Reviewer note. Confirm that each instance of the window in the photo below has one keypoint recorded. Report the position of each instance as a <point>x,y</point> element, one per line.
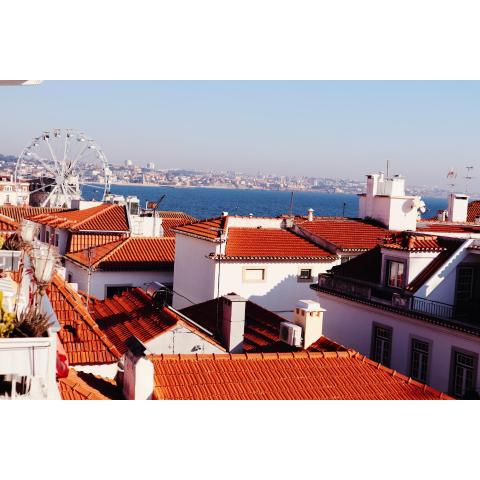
<point>70,278</point>
<point>395,274</point>
<point>305,274</point>
<point>382,344</point>
<point>254,274</point>
<point>419,360</point>
<point>47,236</point>
<point>111,290</point>
<point>464,284</point>
<point>464,373</point>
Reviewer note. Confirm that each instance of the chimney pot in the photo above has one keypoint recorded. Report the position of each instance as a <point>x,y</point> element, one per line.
<point>309,315</point>
<point>233,322</point>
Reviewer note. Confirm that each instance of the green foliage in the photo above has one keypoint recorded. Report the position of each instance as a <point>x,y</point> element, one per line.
<point>7,320</point>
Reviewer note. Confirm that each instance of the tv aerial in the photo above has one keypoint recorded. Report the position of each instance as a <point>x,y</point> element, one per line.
<point>451,176</point>
<point>468,178</point>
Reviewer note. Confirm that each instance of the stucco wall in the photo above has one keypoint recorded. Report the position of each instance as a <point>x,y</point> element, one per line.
<point>181,340</point>
<point>99,280</point>
<point>280,290</point>
<point>194,274</point>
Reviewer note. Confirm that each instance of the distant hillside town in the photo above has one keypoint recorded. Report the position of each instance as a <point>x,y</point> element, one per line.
<point>131,173</point>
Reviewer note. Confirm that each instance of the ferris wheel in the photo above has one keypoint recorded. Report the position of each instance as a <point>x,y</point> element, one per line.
<point>57,164</point>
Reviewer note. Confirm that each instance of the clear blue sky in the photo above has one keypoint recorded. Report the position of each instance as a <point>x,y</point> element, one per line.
<point>336,129</point>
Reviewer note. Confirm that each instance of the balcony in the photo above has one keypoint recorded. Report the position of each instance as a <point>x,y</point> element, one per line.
<point>386,296</point>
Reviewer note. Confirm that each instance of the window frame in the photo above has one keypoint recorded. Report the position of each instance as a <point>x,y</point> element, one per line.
<point>388,263</point>
<point>429,343</point>
<point>304,279</point>
<point>461,351</point>
<point>376,325</point>
<point>246,280</point>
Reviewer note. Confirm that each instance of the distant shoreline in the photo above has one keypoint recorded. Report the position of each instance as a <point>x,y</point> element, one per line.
<point>126,184</point>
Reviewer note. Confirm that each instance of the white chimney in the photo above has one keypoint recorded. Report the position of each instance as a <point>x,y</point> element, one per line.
<point>224,214</point>
<point>309,315</point>
<point>233,322</point>
<point>138,379</point>
<point>310,214</point>
<point>457,207</point>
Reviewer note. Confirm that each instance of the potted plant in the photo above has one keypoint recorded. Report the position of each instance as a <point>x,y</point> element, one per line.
<point>28,333</point>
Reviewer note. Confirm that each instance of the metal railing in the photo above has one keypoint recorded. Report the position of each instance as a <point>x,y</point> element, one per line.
<point>432,308</point>
<point>386,296</point>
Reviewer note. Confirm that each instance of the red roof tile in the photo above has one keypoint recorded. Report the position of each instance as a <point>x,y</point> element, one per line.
<point>132,253</point>
<point>447,227</point>
<point>133,314</point>
<point>209,229</point>
<point>81,337</point>
<point>284,376</point>
<point>473,210</point>
<point>18,213</point>
<point>262,327</point>
<point>348,234</point>
<point>271,243</point>
<point>81,241</point>
<point>106,217</point>
<point>415,243</point>
<point>7,224</point>
<point>86,386</point>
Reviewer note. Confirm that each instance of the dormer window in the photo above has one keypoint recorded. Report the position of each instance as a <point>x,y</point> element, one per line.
<point>395,274</point>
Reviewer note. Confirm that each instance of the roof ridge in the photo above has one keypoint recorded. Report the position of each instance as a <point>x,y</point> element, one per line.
<point>121,243</point>
<point>98,212</point>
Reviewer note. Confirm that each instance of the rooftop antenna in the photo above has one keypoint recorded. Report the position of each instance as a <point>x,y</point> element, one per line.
<point>291,204</point>
<point>451,175</point>
<point>468,178</point>
<point>388,164</point>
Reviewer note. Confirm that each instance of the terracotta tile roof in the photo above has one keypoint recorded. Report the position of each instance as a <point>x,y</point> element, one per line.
<point>415,243</point>
<point>7,224</point>
<point>18,213</point>
<point>473,210</point>
<point>169,223</point>
<point>271,243</point>
<point>448,227</point>
<point>262,327</point>
<point>81,337</point>
<point>347,234</point>
<point>132,253</point>
<point>204,228</point>
<point>86,386</point>
<point>81,241</point>
<point>283,376</point>
<point>106,217</point>
<point>133,314</point>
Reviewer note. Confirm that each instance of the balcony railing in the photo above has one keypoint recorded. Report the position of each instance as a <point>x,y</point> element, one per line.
<point>386,296</point>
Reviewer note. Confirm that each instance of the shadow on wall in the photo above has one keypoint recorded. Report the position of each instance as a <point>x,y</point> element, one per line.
<point>283,297</point>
